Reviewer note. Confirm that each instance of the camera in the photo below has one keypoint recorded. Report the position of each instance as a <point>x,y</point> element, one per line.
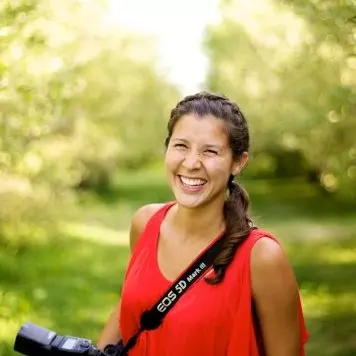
<point>34,340</point>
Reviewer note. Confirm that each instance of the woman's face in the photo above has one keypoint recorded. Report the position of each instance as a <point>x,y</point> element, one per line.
<point>199,160</point>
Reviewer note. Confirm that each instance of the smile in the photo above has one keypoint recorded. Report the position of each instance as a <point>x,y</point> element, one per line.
<point>191,182</point>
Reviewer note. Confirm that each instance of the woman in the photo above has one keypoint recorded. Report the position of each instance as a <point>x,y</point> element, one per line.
<point>248,304</point>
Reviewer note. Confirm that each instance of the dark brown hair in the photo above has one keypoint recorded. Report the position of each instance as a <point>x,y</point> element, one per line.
<point>237,220</point>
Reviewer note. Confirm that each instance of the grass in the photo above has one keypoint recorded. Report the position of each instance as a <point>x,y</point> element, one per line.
<point>71,283</point>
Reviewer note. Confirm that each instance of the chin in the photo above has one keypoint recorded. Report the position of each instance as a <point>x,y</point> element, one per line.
<point>189,202</point>
<point>188,205</point>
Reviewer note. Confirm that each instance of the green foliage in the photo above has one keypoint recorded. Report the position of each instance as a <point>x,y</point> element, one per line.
<point>78,102</point>
<point>291,67</point>
<point>70,285</point>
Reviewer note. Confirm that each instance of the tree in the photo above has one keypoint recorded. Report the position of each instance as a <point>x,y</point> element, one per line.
<point>291,67</point>
<point>79,100</point>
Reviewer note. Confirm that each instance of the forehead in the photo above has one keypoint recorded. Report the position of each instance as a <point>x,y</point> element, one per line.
<point>207,129</point>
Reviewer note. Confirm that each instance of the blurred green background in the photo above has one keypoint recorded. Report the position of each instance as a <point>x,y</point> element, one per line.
<point>83,111</point>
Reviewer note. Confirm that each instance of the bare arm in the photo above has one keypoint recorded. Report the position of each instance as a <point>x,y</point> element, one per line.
<point>111,332</point>
<point>275,292</point>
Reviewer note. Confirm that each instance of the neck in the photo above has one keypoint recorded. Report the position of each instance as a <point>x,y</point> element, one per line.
<point>200,223</point>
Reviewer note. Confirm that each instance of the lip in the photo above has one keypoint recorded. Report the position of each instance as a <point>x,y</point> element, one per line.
<point>190,189</point>
<point>181,175</point>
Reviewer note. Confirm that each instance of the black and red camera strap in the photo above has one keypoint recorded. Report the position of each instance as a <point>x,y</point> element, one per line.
<point>152,318</point>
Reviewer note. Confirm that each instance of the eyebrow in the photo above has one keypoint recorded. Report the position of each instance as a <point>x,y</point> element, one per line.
<point>213,146</point>
<point>205,146</point>
<point>179,139</point>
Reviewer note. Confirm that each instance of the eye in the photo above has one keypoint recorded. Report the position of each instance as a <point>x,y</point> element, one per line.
<point>180,145</point>
<point>211,152</point>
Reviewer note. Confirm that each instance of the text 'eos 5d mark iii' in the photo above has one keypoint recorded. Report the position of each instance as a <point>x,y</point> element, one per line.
<point>33,340</point>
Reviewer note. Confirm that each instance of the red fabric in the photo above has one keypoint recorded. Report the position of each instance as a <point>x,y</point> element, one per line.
<point>208,320</point>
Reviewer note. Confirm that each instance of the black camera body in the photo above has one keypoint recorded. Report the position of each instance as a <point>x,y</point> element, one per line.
<point>33,340</point>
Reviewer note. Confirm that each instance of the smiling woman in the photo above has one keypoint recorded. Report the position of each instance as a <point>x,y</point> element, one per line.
<point>199,161</point>
<point>248,303</point>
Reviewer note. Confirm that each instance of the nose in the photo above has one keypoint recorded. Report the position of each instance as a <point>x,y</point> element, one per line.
<point>192,161</point>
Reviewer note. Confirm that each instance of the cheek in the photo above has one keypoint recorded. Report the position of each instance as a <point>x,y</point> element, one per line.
<point>172,160</point>
<point>219,169</point>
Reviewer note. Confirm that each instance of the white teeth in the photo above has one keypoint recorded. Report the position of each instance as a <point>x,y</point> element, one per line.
<point>193,182</point>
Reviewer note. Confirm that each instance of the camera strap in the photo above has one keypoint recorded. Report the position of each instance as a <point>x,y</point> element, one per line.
<point>152,318</point>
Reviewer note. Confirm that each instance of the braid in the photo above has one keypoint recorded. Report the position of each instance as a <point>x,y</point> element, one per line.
<point>238,227</point>
<point>223,100</point>
<point>237,221</point>
<point>205,103</point>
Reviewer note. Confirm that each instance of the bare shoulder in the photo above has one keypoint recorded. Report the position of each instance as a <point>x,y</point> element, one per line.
<point>140,219</point>
<point>276,297</point>
<point>266,252</point>
<point>270,268</point>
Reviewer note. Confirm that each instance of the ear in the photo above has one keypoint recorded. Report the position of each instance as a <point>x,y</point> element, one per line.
<point>239,164</point>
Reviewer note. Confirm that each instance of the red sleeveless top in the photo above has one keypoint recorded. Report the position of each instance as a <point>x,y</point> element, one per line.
<point>208,320</point>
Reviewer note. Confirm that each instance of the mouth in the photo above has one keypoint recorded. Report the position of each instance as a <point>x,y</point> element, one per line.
<point>192,184</point>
